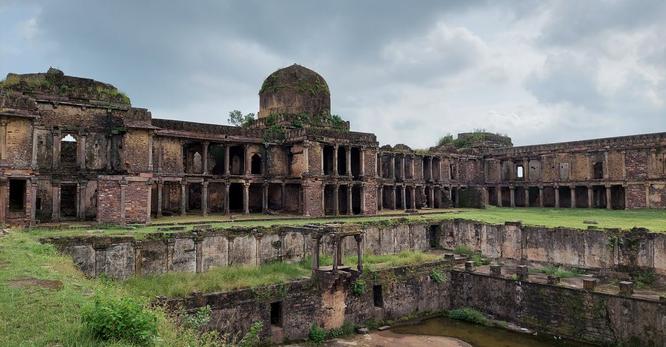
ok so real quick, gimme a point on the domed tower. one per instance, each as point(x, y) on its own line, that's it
point(294, 90)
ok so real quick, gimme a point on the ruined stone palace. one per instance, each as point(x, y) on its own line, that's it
point(75, 149)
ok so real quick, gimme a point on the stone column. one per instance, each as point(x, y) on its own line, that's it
point(572, 190)
point(55, 161)
point(348, 161)
point(393, 202)
point(336, 203)
point(264, 197)
point(205, 157)
point(432, 197)
point(204, 198)
point(35, 143)
point(359, 252)
point(380, 198)
point(499, 196)
point(246, 159)
point(3, 139)
point(183, 197)
point(608, 198)
point(512, 192)
point(432, 177)
point(315, 253)
point(379, 165)
point(590, 195)
point(540, 196)
point(362, 161)
point(227, 162)
point(349, 201)
point(392, 168)
point(404, 197)
point(527, 196)
point(55, 214)
point(78, 200)
point(363, 190)
point(226, 198)
point(402, 167)
point(458, 197)
point(33, 201)
point(412, 167)
point(557, 196)
point(335, 160)
point(413, 207)
point(246, 198)
point(159, 198)
point(81, 151)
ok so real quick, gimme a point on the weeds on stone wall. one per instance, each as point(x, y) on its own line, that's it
point(252, 337)
point(643, 278)
point(318, 334)
point(358, 287)
point(478, 258)
point(198, 319)
point(438, 276)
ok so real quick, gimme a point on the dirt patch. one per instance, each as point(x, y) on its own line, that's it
point(27, 282)
point(387, 338)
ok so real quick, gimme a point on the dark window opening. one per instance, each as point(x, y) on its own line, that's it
point(328, 160)
point(533, 200)
point(435, 169)
point(255, 167)
point(356, 200)
point(617, 197)
point(68, 151)
point(356, 162)
point(452, 171)
point(255, 202)
point(433, 236)
point(377, 297)
point(16, 195)
point(598, 170)
point(329, 199)
point(276, 313)
point(343, 204)
point(236, 197)
point(398, 198)
point(192, 160)
point(237, 163)
point(194, 197)
point(342, 161)
point(216, 158)
point(68, 200)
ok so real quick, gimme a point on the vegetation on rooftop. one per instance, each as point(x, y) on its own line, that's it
point(476, 137)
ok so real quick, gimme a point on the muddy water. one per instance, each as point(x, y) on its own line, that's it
point(479, 336)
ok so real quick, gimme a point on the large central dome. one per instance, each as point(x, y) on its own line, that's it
point(294, 90)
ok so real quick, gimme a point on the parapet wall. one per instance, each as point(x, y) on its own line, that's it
point(603, 250)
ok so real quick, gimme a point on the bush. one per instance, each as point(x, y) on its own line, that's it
point(468, 315)
point(358, 287)
point(346, 329)
point(197, 320)
point(437, 276)
point(252, 338)
point(109, 318)
point(317, 334)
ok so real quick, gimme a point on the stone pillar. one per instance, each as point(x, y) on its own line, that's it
point(380, 198)
point(432, 197)
point(412, 167)
point(246, 159)
point(590, 195)
point(33, 201)
point(226, 198)
point(402, 167)
point(4, 199)
point(35, 143)
point(432, 177)
point(499, 196)
point(348, 161)
point(3, 139)
point(81, 151)
point(205, 157)
point(204, 198)
point(379, 165)
point(335, 160)
point(363, 190)
point(56, 147)
point(183, 197)
point(160, 187)
point(359, 252)
point(527, 196)
point(123, 191)
point(264, 198)
point(362, 161)
point(572, 190)
point(392, 168)
point(404, 197)
point(512, 191)
point(349, 201)
point(78, 201)
point(227, 162)
point(315, 253)
point(608, 198)
point(336, 203)
point(540, 196)
point(393, 200)
point(246, 198)
point(55, 214)
point(413, 192)
point(557, 196)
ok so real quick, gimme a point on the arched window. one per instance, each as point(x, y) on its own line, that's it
point(256, 164)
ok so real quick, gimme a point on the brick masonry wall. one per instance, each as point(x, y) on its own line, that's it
point(111, 208)
point(572, 313)
point(635, 195)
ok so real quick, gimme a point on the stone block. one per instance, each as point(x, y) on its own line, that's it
point(626, 288)
point(590, 283)
point(496, 270)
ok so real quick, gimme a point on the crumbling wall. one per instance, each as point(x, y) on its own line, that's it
point(138, 144)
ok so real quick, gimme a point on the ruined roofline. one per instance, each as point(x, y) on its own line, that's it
point(608, 141)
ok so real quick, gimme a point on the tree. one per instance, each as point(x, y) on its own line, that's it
point(236, 118)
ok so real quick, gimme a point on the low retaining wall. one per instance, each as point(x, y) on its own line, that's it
point(326, 301)
point(607, 249)
point(575, 314)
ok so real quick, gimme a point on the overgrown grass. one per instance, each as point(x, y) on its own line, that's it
point(468, 315)
point(557, 271)
point(472, 255)
point(33, 315)
point(177, 284)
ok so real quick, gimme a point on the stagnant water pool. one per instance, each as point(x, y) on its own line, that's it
point(479, 336)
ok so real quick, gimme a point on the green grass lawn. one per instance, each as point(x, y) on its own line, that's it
point(655, 220)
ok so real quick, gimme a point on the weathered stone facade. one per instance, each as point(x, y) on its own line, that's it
point(75, 149)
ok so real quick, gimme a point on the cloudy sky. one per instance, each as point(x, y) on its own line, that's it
point(409, 71)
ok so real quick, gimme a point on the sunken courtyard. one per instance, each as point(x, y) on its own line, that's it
point(355, 236)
